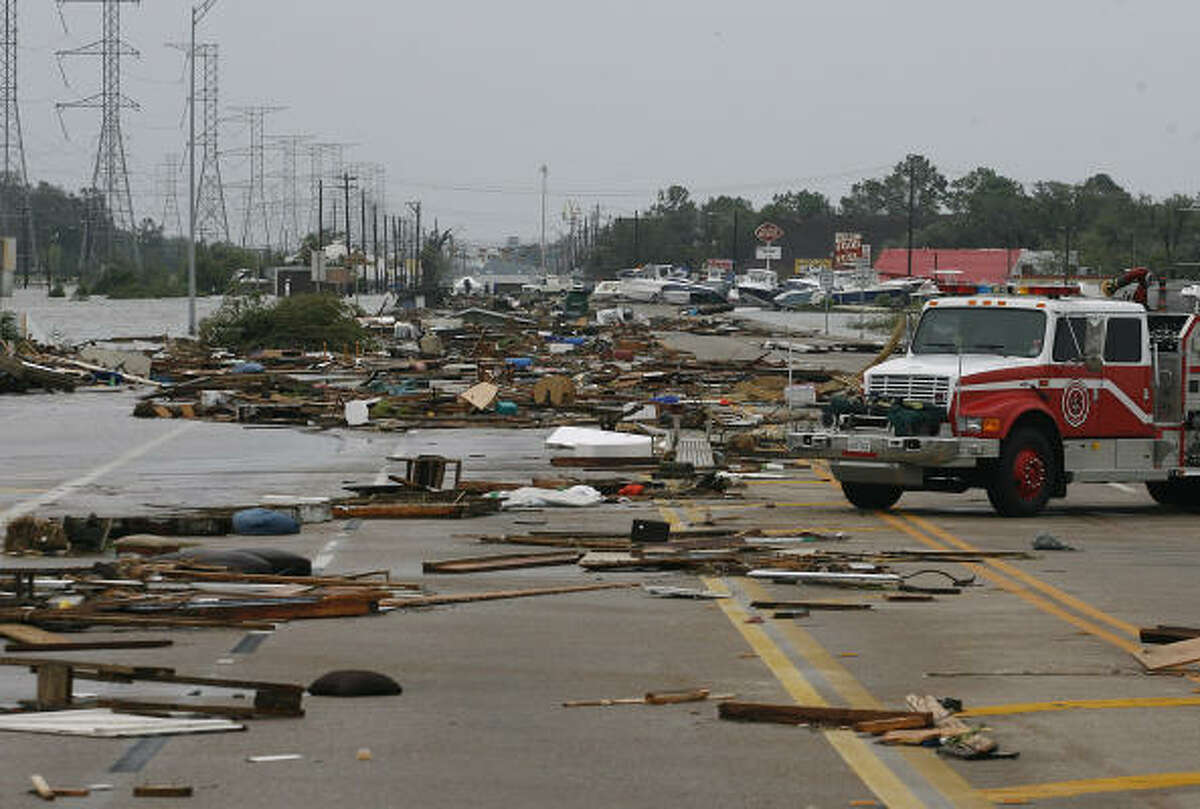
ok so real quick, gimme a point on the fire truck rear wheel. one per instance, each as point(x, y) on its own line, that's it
point(872, 496)
point(1025, 476)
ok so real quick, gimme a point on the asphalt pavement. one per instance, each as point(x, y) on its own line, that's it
point(1040, 647)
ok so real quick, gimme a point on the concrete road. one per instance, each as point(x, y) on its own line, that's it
point(1032, 647)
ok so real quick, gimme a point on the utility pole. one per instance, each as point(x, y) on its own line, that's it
point(346, 179)
point(912, 193)
point(415, 207)
point(320, 215)
point(637, 249)
point(362, 238)
point(735, 240)
point(545, 172)
point(375, 241)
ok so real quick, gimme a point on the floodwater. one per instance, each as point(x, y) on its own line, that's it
point(62, 320)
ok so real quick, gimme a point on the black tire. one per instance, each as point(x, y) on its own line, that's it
point(1164, 492)
point(872, 496)
point(1025, 475)
point(1182, 494)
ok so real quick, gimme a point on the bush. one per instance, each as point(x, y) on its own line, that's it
point(8, 326)
point(301, 321)
point(57, 291)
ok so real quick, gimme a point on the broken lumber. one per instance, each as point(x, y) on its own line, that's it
point(913, 737)
point(79, 646)
point(465, 598)
point(161, 791)
point(505, 561)
point(809, 605)
point(809, 714)
point(1179, 653)
point(651, 698)
point(880, 726)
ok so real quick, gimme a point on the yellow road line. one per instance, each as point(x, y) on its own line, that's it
point(935, 771)
point(1076, 704)
point(1013, 587)
point(1071, 601)
point(854, 751)
point(1092, 786)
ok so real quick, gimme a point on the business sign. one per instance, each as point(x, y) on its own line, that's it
point(847, 248)
point(768, 232)
point(773, 252)
point(803, 265)
point(8, 266)
point(723, 264)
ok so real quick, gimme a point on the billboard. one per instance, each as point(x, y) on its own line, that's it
point(847, 248)
point(803, 265)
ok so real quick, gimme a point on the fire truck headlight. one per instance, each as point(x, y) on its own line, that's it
point(981, 425)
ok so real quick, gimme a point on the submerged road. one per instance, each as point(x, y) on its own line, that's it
point(1039, 650)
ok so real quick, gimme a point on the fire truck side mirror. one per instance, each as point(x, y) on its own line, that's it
point(1093, 344)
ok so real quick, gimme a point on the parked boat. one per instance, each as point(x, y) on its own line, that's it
point(645, 284)
point(758, 285)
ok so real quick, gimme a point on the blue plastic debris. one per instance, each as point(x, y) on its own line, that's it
point(247, 368)
point(263, 522)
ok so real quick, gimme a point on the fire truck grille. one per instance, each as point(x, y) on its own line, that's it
point(919, 388)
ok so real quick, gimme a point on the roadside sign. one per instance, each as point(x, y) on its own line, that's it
point(847, 247)
point(768, 232)
point(768, 252)
point(826, 279)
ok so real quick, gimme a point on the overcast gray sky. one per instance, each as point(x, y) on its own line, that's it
point(462, 100)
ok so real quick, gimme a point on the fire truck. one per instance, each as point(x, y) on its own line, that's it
point(1022, 395)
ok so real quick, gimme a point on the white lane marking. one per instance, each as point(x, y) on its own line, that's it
point(62, 490)
point(326, 554)
point(1121, 487)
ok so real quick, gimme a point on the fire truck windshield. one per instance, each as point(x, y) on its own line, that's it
point(1006, 332)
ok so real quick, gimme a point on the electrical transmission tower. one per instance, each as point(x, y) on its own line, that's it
point(212, 219)
point(289, 188)
point(256, 192)
point(325, 163)
point(110, 204)
point(16, 212)
point(168, 187)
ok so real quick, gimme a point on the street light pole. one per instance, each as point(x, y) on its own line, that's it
point(198, 12)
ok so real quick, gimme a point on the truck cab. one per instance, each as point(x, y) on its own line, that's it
point(1021, 396)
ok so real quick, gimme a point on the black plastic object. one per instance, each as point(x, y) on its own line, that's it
point(354, 683)
point(650, 531)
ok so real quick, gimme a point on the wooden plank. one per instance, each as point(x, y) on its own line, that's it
point(161, 791)
point(808, 714)
point(54, 681)
point(73, 646)
point(506, 561)
point(878, 726)
point(809, 605)
point(53, 617)
point(464, 598)
point(1179, 653)
point(155, 708)
point(32, 635)
point(914, 737)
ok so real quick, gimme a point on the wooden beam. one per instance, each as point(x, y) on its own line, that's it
point(76, 646)
point(809, 605)
point(1173, 654)
point(506, 561)
point(808, 714)
point(464, 598)
point(878, 726)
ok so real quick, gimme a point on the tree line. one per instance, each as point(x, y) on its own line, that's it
point(1096, 223)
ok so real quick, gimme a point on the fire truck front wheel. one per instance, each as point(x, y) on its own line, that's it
point(872, 496)
point(1025, 475)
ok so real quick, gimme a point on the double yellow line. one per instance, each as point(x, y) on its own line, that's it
point(1046, 597)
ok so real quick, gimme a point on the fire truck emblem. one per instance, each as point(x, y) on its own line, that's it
point(1076, 403)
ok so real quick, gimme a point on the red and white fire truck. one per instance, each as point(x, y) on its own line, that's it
point(1021, 396)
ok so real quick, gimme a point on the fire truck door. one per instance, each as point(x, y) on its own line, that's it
point(1127, 398)
point(1075, 383)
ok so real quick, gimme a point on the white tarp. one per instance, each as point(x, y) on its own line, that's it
point(104, 723)
point(533, 497)
point(588, 442)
